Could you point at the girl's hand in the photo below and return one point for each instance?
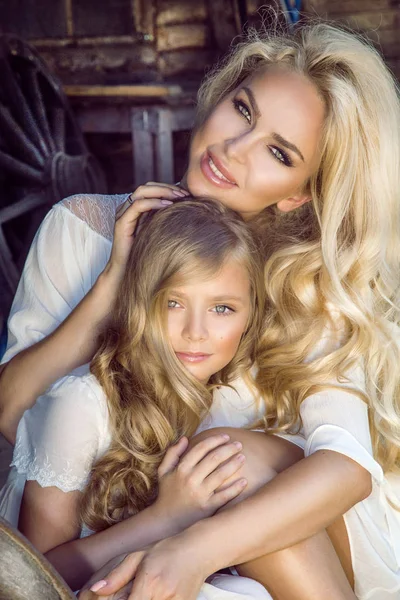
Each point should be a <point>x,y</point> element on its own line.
<point>144,198</point>
<point>167,571</point>
<point>197,485</point>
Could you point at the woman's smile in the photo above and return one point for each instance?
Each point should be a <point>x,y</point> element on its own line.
<point>215,171</point>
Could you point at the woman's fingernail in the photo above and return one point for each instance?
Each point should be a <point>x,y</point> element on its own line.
<point>98,585</point>
<point>243,482</point>
<point>225,436</point>
<point>166,202</point>
<point>178,193</point>
<point>237,444</point>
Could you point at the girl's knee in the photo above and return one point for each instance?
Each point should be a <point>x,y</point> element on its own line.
<point>266,455</point>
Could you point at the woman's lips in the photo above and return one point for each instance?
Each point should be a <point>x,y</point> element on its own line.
<point>192,357</point>
<point>214,171</point>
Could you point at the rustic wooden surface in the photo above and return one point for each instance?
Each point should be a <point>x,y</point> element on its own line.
<point>378,20</point>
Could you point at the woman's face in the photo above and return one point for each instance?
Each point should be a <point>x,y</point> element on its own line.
<point>260,145</point>
<point>207,318</point>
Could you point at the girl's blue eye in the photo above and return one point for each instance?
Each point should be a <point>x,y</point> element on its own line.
<point>172,304</point>
<point>242,108</point>
<point>222,309</point>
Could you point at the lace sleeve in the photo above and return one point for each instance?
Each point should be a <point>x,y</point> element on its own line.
<point>97,211</point>
<point>60,438</point>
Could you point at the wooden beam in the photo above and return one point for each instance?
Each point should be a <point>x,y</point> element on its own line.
<point>115,91</point>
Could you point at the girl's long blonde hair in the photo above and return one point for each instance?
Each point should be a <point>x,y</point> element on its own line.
<point>339,255</point>
<point>152,399</point>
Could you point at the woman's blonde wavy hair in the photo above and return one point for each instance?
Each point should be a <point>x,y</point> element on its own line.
<point>342,250</point>
<point>152,399</point>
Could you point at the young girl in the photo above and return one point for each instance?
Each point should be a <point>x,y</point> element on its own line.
<point>185,321</point>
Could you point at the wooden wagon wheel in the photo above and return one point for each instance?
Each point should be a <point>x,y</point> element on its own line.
<point>25,574</point>
<point>43,155</point>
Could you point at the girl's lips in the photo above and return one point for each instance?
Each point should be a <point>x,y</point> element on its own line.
<point>192,357</point>
<point>210,175</point>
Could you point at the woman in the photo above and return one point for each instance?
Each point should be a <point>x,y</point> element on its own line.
<point>286,120</point>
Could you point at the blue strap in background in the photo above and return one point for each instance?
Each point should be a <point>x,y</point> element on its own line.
<point>292,10</point>
<point>3,340</point>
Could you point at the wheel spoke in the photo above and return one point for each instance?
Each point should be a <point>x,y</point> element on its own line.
<point>20,169</point>
<point>58,127</point>
<point>20,106</point>
<point>18,140</point>
<point>38,107</point>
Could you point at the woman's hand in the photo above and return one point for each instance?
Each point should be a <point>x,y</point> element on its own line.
<point>169,570</point>
<point>196,485</point>
<point>146,197</point>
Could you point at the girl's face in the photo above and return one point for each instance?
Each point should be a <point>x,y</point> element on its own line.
<point>260,145</point>
<point>206,319</point>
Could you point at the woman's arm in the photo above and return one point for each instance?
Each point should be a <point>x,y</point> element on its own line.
<point>297,503</point>
<point>74,340</point>
<point>72,344</point>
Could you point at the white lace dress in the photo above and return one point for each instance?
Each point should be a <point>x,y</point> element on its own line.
<point>67,429</point>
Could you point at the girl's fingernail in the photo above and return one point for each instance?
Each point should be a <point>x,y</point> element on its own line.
<point>98,585</point>
<point>237,444</point>
<point>240,457</point>
<point>166,202</point>
<point>243,482</point>
<point>225,436</point>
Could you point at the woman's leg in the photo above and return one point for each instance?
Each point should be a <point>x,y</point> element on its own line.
<point>310,570</point>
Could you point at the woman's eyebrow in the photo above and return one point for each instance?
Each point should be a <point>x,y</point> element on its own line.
<point>276,136</point>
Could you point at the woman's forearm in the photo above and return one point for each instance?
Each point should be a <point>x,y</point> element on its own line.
<point>297,503</point>
<point>72,344</point>
<point>76,561</point>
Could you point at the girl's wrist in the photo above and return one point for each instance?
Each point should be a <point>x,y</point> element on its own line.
<point>171,525</point>
<point>197,539</point>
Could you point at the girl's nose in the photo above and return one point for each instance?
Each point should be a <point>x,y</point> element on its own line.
<point>195,329</point>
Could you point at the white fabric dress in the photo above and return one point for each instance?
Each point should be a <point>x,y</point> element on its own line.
<point>67,429</point>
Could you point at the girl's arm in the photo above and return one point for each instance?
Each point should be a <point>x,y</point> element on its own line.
<point>48,516</point>
<point>53,282</point>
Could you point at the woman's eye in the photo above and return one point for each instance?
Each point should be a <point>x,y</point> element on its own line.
<point>173,304</point>
<point>222,309</point>
<point>281,156</point>
<point>243,109</point>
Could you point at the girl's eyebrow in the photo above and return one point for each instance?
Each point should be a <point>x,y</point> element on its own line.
<point>226,298</point>
<point>276,136</point>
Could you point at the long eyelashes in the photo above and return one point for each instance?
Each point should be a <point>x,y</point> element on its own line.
<point>278,153</point>
<point>243,109</point>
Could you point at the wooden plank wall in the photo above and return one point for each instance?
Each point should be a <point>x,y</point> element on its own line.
<point>379,20</point>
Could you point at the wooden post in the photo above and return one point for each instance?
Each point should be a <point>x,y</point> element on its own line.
<point>142,146</point>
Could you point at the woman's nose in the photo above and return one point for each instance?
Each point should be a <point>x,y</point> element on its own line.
<point>239,147</point>
<point>195,329</point>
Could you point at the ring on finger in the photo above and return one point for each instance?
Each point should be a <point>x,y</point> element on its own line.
<point>131,200</point>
